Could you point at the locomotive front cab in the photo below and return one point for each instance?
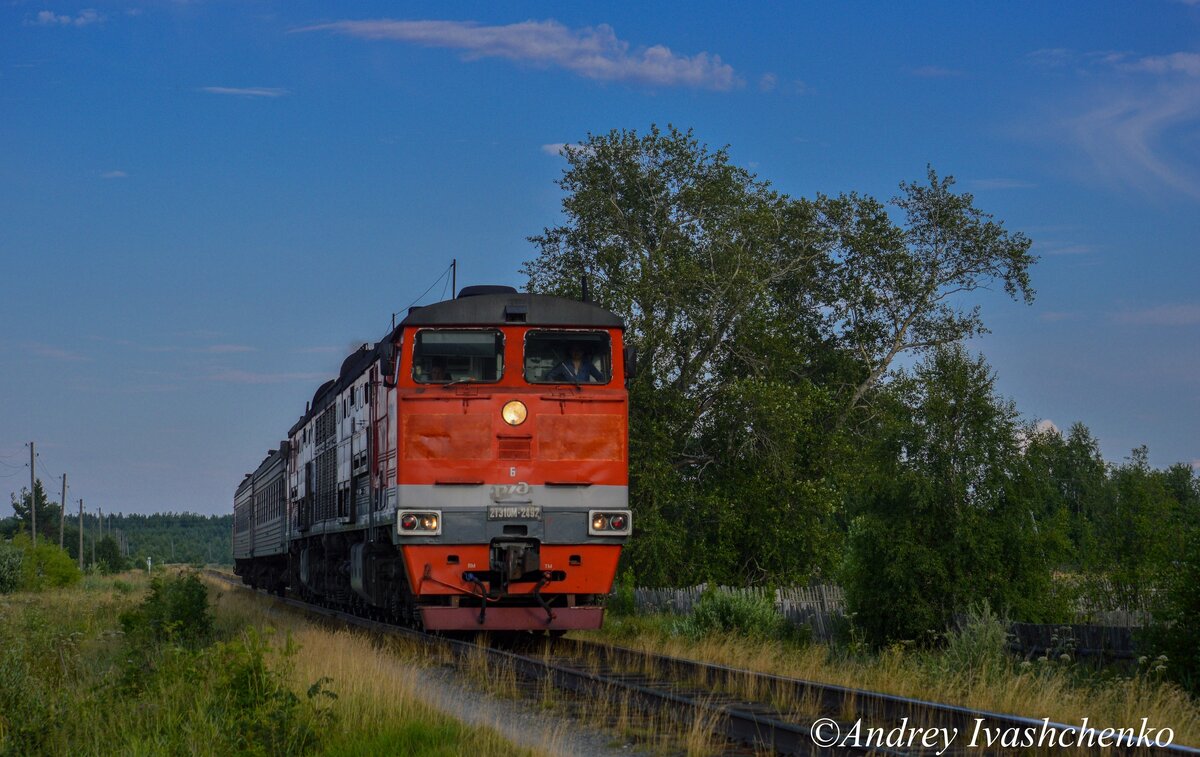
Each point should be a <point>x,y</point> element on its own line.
<point>512,496</point>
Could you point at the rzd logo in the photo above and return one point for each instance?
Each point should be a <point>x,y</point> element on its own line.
<point>508,492</point>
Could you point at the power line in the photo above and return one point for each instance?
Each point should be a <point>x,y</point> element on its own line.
<point>445,275</point>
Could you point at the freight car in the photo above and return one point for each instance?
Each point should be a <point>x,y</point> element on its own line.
<point>467,472</point>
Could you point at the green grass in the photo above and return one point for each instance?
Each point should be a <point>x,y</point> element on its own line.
<point>444,739</point>
<point>107,667</point>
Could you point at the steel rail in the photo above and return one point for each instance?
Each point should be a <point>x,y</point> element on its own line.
<point>755,723</point>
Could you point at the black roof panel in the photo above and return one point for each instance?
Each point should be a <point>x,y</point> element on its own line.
<point>488,310</point>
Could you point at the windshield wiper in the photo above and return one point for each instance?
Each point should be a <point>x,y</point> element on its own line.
<point>463,380</point>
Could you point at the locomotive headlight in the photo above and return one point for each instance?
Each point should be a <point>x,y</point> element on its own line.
<point>419,522</point>
<point>514,412</point>
<point>609,522</point>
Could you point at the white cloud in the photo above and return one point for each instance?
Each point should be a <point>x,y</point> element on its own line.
<point>1002,184</point>
<point>1185,63</point>
<point>1062,248</point>
<point>1081,62</point>
<point>1045,425</point>
<point>1041,427</point>
<point>1161,315</point>
<point>593,52</point>
<point>936,72</point>
<point>246,377</point>
<point>319,350</point>
<point>1136,135</point>
<point>1054,316</point>
<point>768,82</point>
<point>54,353</point>
<point>221,349</point>
<point>1138,125</point>
<point>114,175</point>
<point>85,17</point>
<point>558,149</point>
<point>246,91</point>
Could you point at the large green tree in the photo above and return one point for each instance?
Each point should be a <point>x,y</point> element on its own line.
<point>766,326</point>
<point>47,512</point>
<point>1143,532</point>
<point>940,521</point>
<point>902,287</point>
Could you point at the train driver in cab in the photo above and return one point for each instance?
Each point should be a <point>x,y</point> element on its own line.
<point>576,369</point>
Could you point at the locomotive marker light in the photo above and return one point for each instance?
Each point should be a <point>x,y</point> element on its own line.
<point>609,523</point>
<point>419,523</point>
<point>514,412</point>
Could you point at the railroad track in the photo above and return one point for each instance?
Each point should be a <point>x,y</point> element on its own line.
<point>762,711</point>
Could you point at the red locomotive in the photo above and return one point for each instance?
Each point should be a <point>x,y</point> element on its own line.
<point>468,472</point>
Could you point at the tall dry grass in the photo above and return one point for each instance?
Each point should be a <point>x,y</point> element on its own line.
<point>383,687</point>
<point>1057,689</point>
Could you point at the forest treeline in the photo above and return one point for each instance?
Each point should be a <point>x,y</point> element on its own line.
<point>806,405</point>
<point>121,540</point>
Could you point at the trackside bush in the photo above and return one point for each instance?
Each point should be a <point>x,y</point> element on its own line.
<point>176,611</point>
<point>979,643</point>
<point>621,601</point>
<point>1176,631</point>
<point>10,568</point>
<point>725,612</point>
<point>253,703</point>
<point>45,566</point>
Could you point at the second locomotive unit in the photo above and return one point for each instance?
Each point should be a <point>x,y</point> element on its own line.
<point>467,472</point>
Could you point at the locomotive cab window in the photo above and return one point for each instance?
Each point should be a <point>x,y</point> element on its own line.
<point>568,357</point>
<point>442,357</point>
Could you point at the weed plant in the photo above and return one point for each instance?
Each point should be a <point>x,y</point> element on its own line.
<point>721,612</point>
<point>25,567</point>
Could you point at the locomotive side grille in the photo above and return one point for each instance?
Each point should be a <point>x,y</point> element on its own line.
<point>326,484</point>
<point>326,425</point>
<point>515,449</point>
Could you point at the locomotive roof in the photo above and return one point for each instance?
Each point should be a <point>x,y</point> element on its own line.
<point>273,457</point>
<point>499,309</point>
<point>474,306</point>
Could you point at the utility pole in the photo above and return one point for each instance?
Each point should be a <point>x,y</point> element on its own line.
<point>99,525</point>
<point>453,278</point>
<point>62,513</point>
<point>32,499</point>
<point>81,536</point>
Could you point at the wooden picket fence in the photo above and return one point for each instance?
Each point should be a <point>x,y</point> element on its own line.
<point>822,608</point>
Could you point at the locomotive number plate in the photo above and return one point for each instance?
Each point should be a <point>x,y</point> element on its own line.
<point>514,512</point>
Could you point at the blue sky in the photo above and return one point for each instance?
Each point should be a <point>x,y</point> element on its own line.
<point>204,205</point>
